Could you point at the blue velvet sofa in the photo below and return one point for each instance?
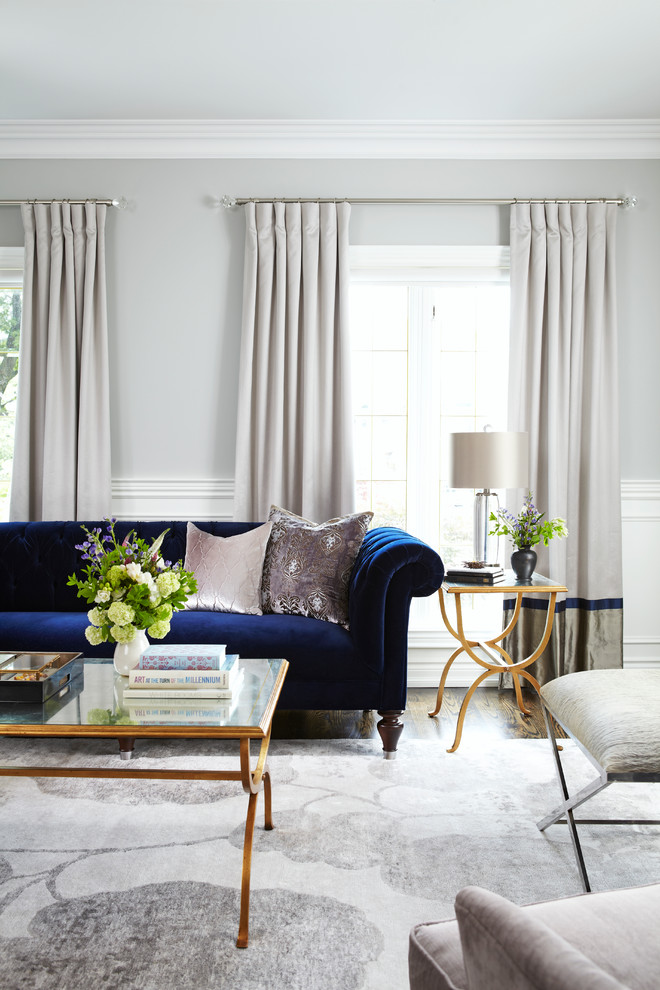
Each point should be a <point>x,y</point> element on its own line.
<point>364,667</point>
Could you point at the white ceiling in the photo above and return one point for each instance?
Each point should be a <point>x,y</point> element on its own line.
<point>329,59</point>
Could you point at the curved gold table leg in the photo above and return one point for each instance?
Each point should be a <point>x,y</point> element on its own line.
<point>516,669</point>
<point>244,918</point>
<point>464,706</point>
<point>443,680</point>
<point>268,806</point>
<point>514,675</point>
<point>253,782</point>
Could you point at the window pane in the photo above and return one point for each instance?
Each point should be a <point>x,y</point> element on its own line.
<point>388,501</point>
<point>362,373</point>
<point>10,325</point>
<point>379,315</point>
<point>390,383</point>
<point>456,313</point>
<point>362,447</point>
<point>433,360</point>
<point>389,453</point>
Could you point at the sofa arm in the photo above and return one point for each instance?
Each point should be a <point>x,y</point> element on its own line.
<point>391,567</point>
<point>504,945</point>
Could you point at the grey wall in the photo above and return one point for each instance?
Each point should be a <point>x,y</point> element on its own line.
<point>175,278</point>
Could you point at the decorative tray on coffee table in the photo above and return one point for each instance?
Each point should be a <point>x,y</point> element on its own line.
<point>34,677</point>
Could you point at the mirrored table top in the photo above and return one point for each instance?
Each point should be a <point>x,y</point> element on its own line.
<point>92,703</point>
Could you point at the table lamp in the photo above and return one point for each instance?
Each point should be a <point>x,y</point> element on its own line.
<point>485,461</point>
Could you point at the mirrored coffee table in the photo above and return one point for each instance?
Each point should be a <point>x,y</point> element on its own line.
<point>92,706</point>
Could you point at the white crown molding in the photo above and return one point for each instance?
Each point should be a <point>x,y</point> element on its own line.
<point>430,139</point>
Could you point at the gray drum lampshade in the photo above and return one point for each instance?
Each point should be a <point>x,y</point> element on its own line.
<point>486,461</point>
<point>489,460</point>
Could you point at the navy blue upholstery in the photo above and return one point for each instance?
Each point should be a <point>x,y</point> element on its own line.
<point>364,667</point>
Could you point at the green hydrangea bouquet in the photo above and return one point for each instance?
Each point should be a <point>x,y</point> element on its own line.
<point>130,586</point>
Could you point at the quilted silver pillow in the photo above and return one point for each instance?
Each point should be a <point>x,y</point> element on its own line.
<point>228,569</point>
<point>308,567</point>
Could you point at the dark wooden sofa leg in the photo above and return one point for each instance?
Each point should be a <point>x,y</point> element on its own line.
<point>390,728</point>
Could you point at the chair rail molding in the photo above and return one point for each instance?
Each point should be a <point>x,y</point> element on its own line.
<point>190,499</point>
<point>430,139</point>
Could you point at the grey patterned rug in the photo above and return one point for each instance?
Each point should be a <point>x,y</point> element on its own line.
<point>133,885</point>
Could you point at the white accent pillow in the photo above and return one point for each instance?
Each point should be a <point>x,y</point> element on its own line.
<point>228,569</point>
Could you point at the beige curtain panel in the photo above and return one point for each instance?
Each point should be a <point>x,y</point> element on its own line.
<point>61,464</point>
<point>563,390</point>
<point>294,443</point>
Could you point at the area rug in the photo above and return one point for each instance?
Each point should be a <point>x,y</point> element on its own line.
<point>134,885</point>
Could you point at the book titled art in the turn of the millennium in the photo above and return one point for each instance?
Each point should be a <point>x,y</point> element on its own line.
<point>162,685</point>
<point>184,657</point>
<point>190,678</point>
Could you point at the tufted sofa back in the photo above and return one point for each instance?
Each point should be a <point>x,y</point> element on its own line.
<point>36,558</point>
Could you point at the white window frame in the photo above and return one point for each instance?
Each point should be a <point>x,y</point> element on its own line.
<point>12,265</point>
<point>417,266</point>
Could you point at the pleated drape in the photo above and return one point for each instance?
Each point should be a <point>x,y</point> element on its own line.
<point>294,442</point>
<point>61,466</point>
<point>564,392</point>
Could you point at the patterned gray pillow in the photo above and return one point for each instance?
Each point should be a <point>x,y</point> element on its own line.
<point>308,567</point>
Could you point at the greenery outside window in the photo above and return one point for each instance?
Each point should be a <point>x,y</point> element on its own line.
<point>11,298</point>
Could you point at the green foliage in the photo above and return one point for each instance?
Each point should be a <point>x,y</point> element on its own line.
<point>526,529</point>
<point>105,716</point>
<point>130,586</point>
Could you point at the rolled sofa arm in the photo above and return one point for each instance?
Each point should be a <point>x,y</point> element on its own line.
<point>391,567</point>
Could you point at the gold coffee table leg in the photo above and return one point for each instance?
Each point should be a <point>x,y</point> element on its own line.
<point>253,782</point>
<point>244,919</point>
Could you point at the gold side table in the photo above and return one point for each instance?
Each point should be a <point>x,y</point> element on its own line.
<point>495,659</point>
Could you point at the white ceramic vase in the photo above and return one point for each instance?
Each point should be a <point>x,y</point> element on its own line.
<point>127,655</point>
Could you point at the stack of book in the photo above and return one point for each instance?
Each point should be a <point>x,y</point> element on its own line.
<point>487,574</point>
<point>188,672</point>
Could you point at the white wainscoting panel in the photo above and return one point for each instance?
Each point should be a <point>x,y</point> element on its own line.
<point>640,511</point>
<point>430,648</point>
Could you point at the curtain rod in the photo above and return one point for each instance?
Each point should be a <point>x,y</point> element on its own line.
<point>119,204</point>
<point>626,202</point>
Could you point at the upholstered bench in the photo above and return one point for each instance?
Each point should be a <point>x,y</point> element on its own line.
<point>604,941</point>
<point>614,717</point>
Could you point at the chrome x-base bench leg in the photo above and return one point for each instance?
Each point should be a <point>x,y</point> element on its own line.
<point>577,720</point>
<point>569,803</point>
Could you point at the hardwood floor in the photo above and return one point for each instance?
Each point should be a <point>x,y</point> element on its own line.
<point>492,714</point>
